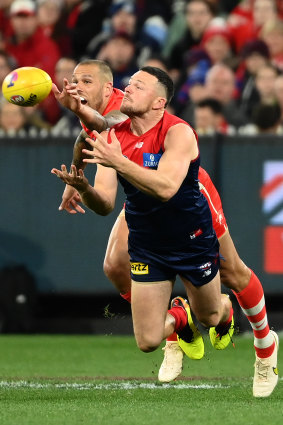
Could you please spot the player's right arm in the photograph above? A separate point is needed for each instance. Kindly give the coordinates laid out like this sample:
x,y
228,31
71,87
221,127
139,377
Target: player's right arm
x,y
101,197
71,198
93,120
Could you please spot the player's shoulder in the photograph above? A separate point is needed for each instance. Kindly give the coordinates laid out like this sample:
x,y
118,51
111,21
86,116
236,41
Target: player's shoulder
x,y
122,126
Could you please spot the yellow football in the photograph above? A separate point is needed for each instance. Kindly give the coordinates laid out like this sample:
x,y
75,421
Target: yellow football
x,y
26,86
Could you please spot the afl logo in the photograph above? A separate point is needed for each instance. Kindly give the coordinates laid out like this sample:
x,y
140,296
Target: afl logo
x,y
17,98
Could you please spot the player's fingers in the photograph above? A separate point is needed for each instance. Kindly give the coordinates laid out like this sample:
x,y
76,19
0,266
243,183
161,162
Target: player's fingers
x,y
112,134
81,173
56,172
55,89
88,152
73,170
90,141
77,207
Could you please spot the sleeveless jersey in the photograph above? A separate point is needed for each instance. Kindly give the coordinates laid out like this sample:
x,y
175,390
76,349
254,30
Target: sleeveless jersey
x,y
113,105
152,223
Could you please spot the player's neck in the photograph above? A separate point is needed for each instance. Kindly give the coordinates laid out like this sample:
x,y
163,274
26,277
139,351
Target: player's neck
x,y
142,124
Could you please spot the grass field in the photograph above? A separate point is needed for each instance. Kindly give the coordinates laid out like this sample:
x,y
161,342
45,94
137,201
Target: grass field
x,y
105,380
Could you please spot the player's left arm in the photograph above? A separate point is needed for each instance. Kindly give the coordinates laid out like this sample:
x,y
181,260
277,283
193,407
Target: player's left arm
x,y
180,148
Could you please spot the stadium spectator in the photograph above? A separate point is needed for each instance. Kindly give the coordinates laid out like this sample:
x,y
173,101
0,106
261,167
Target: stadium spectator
x,y
5,24
20,121
217,42
265,84
199,14
272,34
156,60
83,19
121,17
192,91
12,118
209,118
253,56
67,122
279,93
50,17
7,64
29,46
220,84
263,11
266,119
120,53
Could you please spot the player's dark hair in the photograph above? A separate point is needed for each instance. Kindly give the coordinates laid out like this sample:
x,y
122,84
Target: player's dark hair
x,y
163,79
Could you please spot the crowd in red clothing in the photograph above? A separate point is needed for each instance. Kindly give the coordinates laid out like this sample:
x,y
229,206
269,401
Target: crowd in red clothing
x,y
225,57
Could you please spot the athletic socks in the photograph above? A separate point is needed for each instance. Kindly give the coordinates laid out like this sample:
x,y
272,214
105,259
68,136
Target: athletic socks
x,y
180,316
252,302
127,296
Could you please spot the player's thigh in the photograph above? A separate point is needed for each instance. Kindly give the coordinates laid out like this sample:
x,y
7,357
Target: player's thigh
x,y
205,300
233,272
150,303
117,247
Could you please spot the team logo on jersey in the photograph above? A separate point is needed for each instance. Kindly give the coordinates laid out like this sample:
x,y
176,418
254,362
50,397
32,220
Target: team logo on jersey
x,y
139,268
196,233
151,160
206,268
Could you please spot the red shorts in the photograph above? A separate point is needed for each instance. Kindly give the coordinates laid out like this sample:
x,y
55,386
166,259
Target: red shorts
x,y
212,196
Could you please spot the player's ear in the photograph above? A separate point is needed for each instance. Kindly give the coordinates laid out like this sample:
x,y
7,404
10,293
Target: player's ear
x,y
159,103
108,89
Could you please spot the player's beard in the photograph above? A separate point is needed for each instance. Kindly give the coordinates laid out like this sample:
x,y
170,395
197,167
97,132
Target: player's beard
x,y
131,110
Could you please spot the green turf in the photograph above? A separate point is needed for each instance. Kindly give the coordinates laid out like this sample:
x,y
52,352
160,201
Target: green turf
x,y
105,380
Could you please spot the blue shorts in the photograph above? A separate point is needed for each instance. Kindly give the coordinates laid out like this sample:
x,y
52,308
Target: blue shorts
x,y
199,266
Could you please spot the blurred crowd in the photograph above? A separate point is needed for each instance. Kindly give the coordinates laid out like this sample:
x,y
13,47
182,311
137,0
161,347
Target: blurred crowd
x,y
224,56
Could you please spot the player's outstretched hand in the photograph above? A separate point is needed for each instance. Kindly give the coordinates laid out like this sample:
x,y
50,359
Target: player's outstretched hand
x,y
104,153
68,97
74,178
70,201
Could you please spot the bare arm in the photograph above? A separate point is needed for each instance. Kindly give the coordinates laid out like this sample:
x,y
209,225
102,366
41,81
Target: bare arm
x,y
93,120
180,148
101,197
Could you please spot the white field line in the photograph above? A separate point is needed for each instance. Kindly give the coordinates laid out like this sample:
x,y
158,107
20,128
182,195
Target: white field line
x,y
110,386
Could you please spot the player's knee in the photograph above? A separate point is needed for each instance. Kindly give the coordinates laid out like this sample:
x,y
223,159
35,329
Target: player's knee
x,y
109,268
210,319
147,344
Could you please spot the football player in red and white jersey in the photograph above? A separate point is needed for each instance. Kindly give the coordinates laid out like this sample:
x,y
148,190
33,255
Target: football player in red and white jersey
x,y
234,273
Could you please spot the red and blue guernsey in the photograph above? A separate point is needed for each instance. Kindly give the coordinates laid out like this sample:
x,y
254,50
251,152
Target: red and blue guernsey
x,y
185,220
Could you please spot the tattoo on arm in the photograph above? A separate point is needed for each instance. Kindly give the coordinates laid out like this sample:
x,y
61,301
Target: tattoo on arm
x,y
78,155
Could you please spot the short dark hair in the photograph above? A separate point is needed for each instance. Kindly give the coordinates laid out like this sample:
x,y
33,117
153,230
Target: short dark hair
x,y
163,78
213,9
266,116
211,103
